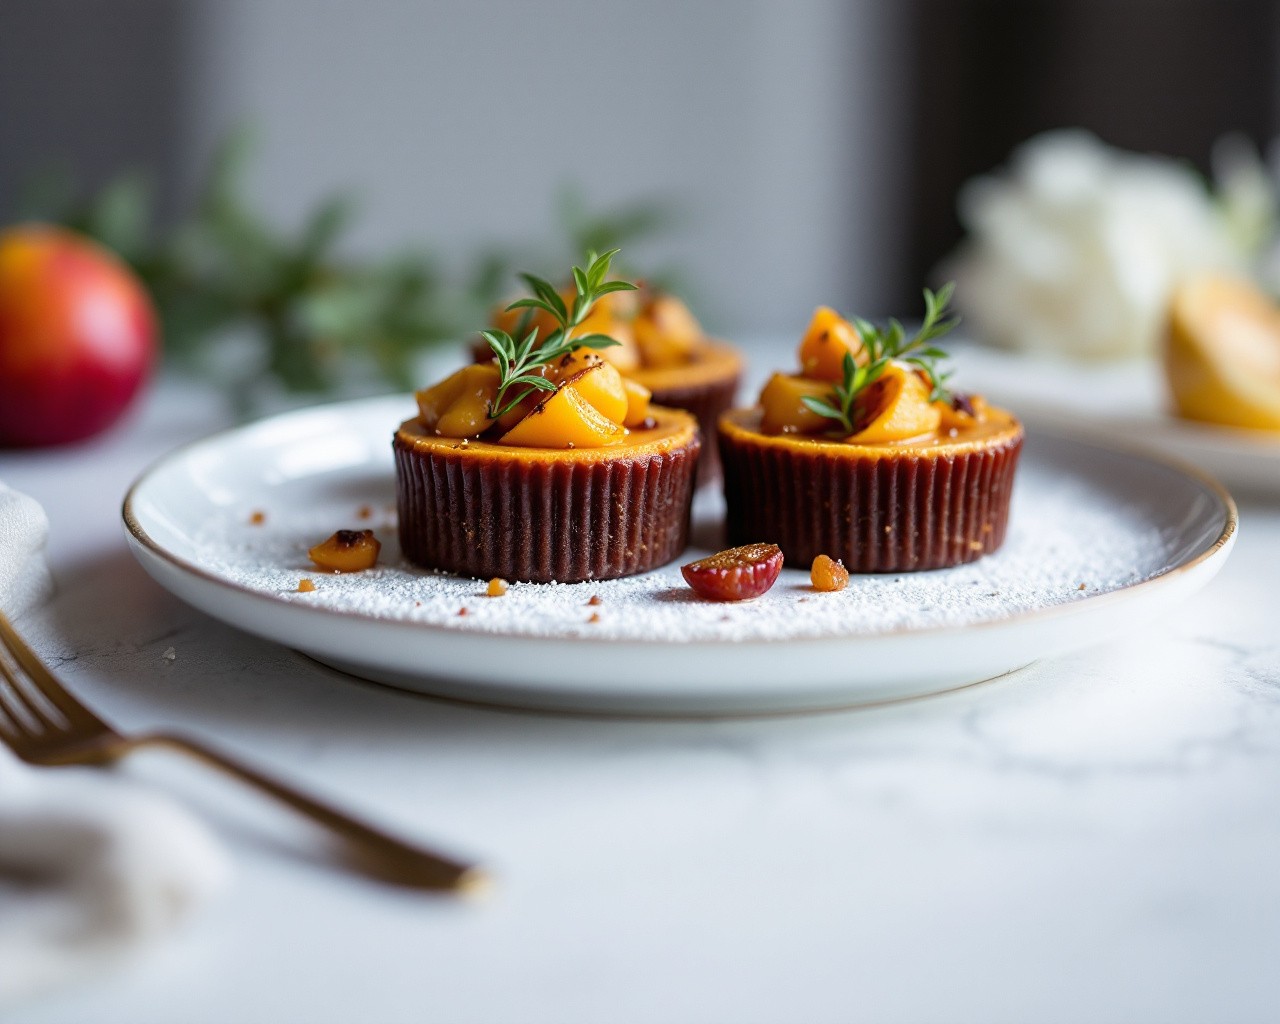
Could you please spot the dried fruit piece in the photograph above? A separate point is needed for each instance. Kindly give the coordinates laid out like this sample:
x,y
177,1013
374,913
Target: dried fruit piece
x,y
257,518
828,574
736,574
305,586
347,551
497,587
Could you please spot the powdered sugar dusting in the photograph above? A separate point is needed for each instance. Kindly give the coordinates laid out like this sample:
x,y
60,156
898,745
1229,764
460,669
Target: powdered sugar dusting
x,y
1070,538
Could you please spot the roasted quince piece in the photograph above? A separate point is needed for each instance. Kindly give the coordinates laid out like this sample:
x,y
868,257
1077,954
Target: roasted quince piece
x,y
598,382
459,405
826,341
784,411
666,331
894,407
1222,353
565,419
638,400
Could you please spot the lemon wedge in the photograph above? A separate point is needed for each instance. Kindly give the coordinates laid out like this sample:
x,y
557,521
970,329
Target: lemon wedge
x,y
1222,353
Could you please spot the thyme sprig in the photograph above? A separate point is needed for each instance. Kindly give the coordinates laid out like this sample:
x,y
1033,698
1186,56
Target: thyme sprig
x,y
883,346
517,359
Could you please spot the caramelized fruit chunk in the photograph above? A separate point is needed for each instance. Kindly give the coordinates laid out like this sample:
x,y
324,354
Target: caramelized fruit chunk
x,y
964,410
571,362
736,574
347,551
784,410
459,405
894,407
613,315
601,385
564,419
828,574
666,332
638,397
828,339
497,587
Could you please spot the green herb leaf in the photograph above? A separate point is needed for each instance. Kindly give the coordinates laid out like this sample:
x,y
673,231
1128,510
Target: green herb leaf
x,y
595,341
515,362
883,347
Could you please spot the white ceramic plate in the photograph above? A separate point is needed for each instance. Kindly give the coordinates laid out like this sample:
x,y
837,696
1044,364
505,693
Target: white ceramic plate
x,y
1100,542
1124,402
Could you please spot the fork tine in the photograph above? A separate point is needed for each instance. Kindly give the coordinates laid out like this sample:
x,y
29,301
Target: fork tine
x,y
8,731
77,713
15,726
21,697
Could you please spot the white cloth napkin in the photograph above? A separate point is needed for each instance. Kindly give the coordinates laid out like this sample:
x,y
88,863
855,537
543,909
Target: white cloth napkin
x,y
93,868
24,577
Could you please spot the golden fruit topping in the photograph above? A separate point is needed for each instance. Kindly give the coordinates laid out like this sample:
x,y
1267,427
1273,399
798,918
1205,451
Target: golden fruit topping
x,y
783,403
612,315
894,407
601,385
459,405
874,385
638,397
828,339
962,412
347,551
496,588
564,419
666,331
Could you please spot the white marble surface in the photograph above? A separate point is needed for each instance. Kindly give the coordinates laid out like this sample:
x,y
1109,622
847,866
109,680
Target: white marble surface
x,y
1093,838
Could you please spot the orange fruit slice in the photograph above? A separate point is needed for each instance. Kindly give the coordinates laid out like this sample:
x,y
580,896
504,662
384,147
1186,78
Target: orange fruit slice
x,y
1222,353
894,407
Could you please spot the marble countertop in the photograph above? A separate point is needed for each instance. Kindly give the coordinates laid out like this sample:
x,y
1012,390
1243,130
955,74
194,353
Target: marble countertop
x,y
1095,837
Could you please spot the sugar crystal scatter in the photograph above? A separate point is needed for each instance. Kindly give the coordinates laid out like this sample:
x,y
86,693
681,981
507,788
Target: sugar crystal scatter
x,y
1062,531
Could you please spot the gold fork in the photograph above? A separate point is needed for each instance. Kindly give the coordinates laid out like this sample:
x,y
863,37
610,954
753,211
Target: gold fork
x,y
43,724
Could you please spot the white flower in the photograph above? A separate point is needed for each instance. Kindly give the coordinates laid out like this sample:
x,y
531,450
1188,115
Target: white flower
x,y
1076,249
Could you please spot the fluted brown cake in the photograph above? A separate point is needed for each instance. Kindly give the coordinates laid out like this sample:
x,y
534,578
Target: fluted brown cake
x,y
662,347
896,507
538,514
705,386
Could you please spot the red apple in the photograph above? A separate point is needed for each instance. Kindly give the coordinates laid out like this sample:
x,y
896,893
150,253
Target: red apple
x,y
77,336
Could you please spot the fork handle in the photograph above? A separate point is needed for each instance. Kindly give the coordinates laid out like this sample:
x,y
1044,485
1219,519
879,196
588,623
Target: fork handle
x,y
390,858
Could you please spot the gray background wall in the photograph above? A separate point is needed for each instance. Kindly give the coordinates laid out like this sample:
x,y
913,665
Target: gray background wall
x,y
811,147
773,129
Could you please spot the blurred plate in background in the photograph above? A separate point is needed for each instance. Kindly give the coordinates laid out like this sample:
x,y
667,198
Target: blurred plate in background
x,y
1119,404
